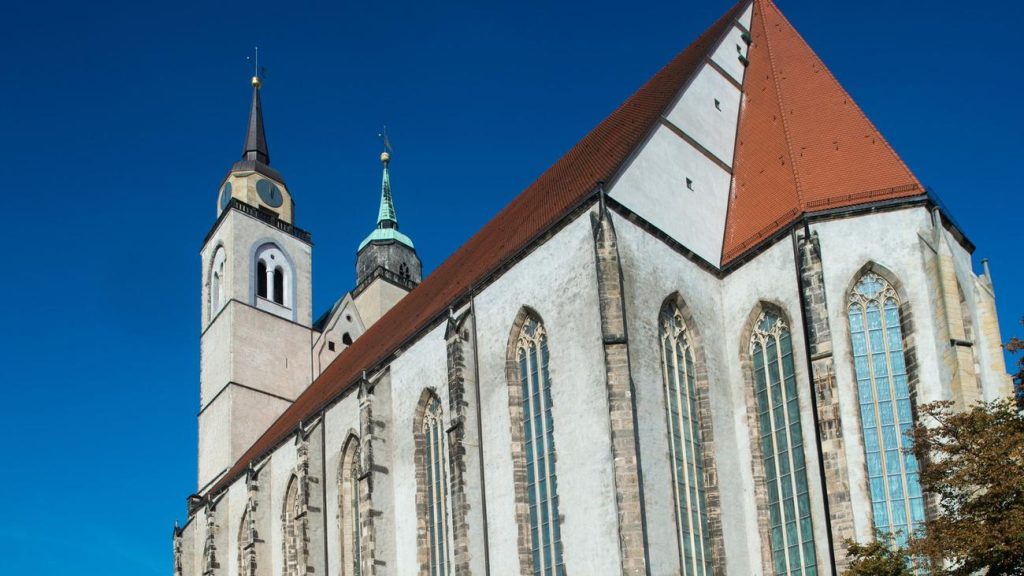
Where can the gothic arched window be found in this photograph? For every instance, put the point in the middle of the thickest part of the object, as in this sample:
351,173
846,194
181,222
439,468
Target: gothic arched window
348,506
886,413
435,487
291,529
217,281
678,375
247,545
273,277
534,381
791,535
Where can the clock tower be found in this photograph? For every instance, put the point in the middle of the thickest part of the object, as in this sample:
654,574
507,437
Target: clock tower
257,306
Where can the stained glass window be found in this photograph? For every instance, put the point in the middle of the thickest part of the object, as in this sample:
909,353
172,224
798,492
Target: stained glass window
883,391
351,528
782,450
677,373
437,492
542,485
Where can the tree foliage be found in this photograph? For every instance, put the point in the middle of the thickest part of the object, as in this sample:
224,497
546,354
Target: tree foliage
882,557
973,461
1016,346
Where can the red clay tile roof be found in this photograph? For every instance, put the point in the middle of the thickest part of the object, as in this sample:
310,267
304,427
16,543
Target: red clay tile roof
570,181
803,145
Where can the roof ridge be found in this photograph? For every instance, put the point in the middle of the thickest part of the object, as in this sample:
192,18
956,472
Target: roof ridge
778,98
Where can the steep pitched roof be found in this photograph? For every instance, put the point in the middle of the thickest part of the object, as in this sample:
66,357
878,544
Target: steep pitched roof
570,181
803,144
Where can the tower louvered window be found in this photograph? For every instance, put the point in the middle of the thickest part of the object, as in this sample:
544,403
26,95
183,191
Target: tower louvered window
685,444
437,488
542,484
885,408
782,449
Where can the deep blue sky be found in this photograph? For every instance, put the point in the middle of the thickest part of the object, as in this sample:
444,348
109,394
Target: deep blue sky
118,121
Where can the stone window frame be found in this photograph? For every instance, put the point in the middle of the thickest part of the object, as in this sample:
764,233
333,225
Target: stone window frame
908,333
291,518
702,384
423,558
347,481
518,444
216,281
757,458
247,543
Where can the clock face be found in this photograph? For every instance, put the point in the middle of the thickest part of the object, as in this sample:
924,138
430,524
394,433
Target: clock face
225,196
269,193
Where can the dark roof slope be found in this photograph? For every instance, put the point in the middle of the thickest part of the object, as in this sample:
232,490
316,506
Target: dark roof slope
570,181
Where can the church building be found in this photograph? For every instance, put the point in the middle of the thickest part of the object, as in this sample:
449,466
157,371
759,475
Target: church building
693,346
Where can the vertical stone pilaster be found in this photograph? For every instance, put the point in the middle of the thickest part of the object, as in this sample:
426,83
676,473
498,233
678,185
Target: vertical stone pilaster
621,401
176,543
210,563
248,560
830,429
371,437
955,347
461,383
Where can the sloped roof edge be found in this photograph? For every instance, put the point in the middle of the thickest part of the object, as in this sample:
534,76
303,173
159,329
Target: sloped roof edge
570,181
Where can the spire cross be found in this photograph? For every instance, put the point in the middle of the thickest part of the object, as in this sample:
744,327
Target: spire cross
387,141
258,73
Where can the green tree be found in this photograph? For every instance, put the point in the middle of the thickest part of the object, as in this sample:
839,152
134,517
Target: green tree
1016,346
882,557
973,461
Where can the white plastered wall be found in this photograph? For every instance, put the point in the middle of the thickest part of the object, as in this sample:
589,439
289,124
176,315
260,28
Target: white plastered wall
422,366
670,181
558,281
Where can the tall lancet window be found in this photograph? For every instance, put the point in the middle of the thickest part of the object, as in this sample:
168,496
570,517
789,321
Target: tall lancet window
885,407
247,545
678,374
293,533
782,448
436,501
539,445
348,506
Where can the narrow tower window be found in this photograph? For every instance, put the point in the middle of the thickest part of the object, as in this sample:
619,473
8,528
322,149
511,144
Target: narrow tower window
539,443
691,509
217,281
782,451
885,406
278,285
261,279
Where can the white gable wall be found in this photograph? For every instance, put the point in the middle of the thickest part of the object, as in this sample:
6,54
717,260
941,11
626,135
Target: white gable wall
654,182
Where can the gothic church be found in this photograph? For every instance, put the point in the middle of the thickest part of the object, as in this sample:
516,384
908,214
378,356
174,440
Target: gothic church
692,346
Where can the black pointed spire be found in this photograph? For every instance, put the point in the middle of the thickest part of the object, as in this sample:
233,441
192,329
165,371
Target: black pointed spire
255,148
255,154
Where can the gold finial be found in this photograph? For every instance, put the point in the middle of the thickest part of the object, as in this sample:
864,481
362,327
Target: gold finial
256,81
385,157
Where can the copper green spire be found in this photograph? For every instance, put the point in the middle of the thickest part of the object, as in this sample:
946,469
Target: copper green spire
387,218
